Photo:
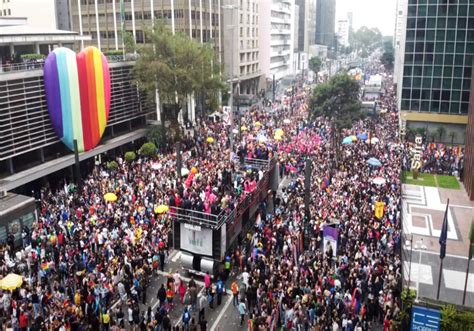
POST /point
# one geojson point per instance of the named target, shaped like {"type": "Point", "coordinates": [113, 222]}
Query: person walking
{"type": "Point", "coordinates": [242, 311]}
{"type": "Point", "coordinates": [235, 292]}
{"type": "Point", "coordinates": [186, 318]}
{"type": "Point", "coordinates": [219, 290]}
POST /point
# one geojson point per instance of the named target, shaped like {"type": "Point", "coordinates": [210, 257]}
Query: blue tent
{"type": "Point", "coordinates": [374, 162]}
{"type": "Point", "coordinates": [362, 136]}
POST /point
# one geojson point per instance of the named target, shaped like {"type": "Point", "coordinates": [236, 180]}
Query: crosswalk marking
{"type": "Point", "coordinates": [455, 280]}
{"type": "Point", "coordinates": [426, 276]}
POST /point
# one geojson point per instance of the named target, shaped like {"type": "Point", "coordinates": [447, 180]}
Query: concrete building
{"type": "Point", "coordinates": [63, 15]}
{"type": "Point", "coordinates": [276, 36]}
{"type": "Point", "coordinates": [325, 22]}
{"type": "Point", "coordinates": [438, 53]}
{"type": "Point", "coordinates": [305, 15]}
{"type": "Point", "coordinates": [103, 20]}
{"type": "Point", "coordinates": [17, 38]}
{"type": "Point", "coordinates": [40, 14]}
{"type": "Point", "coordinates": [468, 173]}
{"type": "Point", "coordinates": [241, 44]}
{"type": "Point", "coordinates": [343, 32]}
{"type": "Point", "coordinates": [399, 39]}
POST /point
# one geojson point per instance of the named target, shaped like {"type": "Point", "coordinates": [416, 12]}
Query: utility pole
{"type": "Point", "coordinates": [273, 87]}
{"type": "Point", "coordinates": [77, 166]}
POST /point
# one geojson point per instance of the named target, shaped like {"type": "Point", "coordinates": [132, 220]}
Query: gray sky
{"type": "Point", "coordinates": [371, 13]}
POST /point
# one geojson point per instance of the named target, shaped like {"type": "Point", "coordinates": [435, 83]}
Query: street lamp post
{"type": "Point", "coordinates": [231, 97]}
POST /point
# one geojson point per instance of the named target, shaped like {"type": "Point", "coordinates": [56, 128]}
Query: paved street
{"type": "Point", "coordinates": [423, 212]}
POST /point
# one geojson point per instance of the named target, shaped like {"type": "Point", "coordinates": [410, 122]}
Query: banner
{"type": "Point", "coordinates": [330, 235]}
{"type": "Point", "coordinates": [196, 239]}
{"type": "Point", "coordinates": [426, 319]}
{"type": "Point", "coordinates": [379, 206]}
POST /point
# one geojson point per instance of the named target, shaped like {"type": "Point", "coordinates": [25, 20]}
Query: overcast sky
{"type": "Point", "coordinates": [371, 13]}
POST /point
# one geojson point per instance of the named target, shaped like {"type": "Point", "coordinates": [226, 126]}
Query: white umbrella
{"type": "Point", "coordinates": [184, 172]}
{"type": "Point", "coordinates": [156, 166]}
{"type": "Point", "coordinates": [374, 140]}
{"type": "Point", "coordinates": [379, 180]}
{"type": "Point", "coordinates": [235, 131]}
{"type": "Point", "coordinates": [286, 121]}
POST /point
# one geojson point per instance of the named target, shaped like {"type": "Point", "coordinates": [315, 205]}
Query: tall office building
{"type": "Point", "coordinates": [399, 40]}
{"type": "Point", "coordinates": [343, 32]}
{"type": "Point", "coordinates": [63, 15]}
{"type": "Point", "coordinates": [240, 44]}
{"type": "Point", "coordinates": [103, 20]}
{"type": "Point", "coordinates": [325, 22]}
{"type": "Point", "coordinates": [276, 37]}
{"type": "Point", "coordinates": [439, 47]}
{"type": "Point", "coordinates": [468, 174]}
{"type": "Point", "coordinates": [306, 25]}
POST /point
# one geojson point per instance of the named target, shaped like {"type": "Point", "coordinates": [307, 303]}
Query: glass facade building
{"type": "Point", "coordinates": [439, 51]}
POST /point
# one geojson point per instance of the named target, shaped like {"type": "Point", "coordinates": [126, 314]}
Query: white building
{"type": "Point", "coordinates": [276, 36]}
{"type": "Point", "coordinates": [39, 13]}
{"type": "Point", "coordinates": [343, 32]}
{"type": "Point", "coordinates": [241, 44]}
{"type": "Point", "coordinates": [399, 41]}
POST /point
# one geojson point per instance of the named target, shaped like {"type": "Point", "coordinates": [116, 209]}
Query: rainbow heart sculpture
{"type": "Point", "coordinates": [78, 95]}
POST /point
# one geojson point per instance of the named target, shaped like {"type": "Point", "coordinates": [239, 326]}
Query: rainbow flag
{"type": "Point", "coordinates": [45, 266]}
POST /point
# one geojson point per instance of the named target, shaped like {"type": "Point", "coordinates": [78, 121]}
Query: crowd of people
{"type": "Point", "coordinates": [86, 252]}
{"type": "Point", "coordinates": [302, 286]}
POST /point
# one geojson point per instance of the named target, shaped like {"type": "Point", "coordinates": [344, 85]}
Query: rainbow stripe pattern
{"type": "Point", "coordinates": [78, 95]}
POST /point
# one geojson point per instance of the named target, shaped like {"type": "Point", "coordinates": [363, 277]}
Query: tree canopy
{"type": "Point", "coordinates": [315, 64]}
{"type": "Point", "coordinates": [388, 55]}
{"type": "Point", "coordinates": [176, 66]}
{"type": "Point", "coordinates": [337, 99]}
{"type": "Point", "coordinates": [366, 39]}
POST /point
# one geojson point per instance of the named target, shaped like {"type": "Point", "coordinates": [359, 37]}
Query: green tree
{"type": "Point", "coordinates": [176, 66]}
{"type": "Point", "coordinates": [130, 156]}
{"type": "Point", "coordinates": [315, 64]}
{"type": "Point", "coordinates": [157, 135]}
{"type": "Point", "coordinates": [365, 39]}
{"type": "Point", "coordinates": [148, 149]}
{"type": "Point", "coordinates": [112, 165]}
{"type": "Point", "coordinates": [338, 100]}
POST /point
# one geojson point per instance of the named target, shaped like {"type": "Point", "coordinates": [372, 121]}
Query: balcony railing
{"type": "Point", "coordinates": [213, 221]}
{"type": "Point", "coordinates": [38, 65]}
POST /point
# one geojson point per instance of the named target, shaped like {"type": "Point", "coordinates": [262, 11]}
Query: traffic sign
{"type": "Point", "coordinates": [425, 319]}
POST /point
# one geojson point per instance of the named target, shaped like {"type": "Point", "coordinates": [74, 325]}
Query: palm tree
{"type": "Point", "coordinates": [440, 131]}
{"type": "Point", "coordinates": [452, 135]}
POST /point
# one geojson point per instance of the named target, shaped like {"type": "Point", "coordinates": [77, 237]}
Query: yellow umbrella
{"type": "Point", "coordinates": [210, 140]}
{"type": "Point", "coordinates": [110, 197]}
{"type": "Point", "coordinates": [11, 282]}
{"type": "Point", "coordinates": [277, 137]}
{"type": "Point", "coordinates": [354, 138]}
{"type": "Point", "coordinates": [279, 132]}
{"type": "Point", "coordinates": [258, 123]}
{"type": "Point", "coordinates": [161, 209]}
{"type": "Point", "coordinates": [243, 128]}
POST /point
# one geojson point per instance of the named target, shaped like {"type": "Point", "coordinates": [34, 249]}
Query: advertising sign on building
{"type": "Point", "coordinates": [425, 319]}
{"type": "Point", "coordinates": [196, 239]}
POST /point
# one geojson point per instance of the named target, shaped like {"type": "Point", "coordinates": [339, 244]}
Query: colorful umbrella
{"type": "Point", "coordinates": [374, 162]}
{"type": "Point", "coordinates": [11, 282]}
{"type": "Point", "coordinates": [110, 197]}
{"type": "Point", "coordinates": [210, 140]}
{"type": "Point", "coordinates": [161, 209]}
{"type": "Point", "coordinates": [347, 141]}
{"type": "Point", "coordinates": [362, 136]}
